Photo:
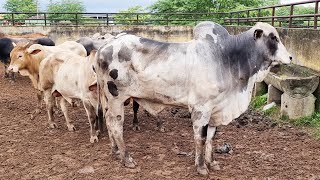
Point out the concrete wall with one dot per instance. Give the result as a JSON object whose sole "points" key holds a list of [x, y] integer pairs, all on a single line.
{"points": [[304, 44]]}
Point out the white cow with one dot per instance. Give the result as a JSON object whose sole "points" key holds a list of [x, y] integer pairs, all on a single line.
{"points": [[212, 75], [70, 76]]}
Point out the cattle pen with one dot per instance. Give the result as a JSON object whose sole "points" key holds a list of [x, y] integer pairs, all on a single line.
{"points": [[252, 146]]}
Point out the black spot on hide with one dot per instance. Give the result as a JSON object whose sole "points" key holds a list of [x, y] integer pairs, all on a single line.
{"points": [[204, 131], [107, 57], [272, 44], [113, 88], [114, 73], [124, 53]]}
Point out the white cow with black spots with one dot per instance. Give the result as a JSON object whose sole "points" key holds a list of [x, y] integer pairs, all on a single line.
{"points": [[212, 75]]}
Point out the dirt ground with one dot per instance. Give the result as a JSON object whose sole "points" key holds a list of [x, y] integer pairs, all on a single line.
{"points": [[30, 150]]}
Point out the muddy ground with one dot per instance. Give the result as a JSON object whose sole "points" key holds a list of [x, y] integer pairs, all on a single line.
{"points": [[30, 150]]}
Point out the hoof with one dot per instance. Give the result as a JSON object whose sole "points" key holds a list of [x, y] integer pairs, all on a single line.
{"points": [[203, 170], [214, 165], [136, 128], [161, 129], [130, 163], [53, 125], [37, 111], [71, 127], [94, 139]]}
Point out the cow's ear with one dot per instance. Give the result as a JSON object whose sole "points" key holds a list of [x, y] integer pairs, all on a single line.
{"points": [[93, 87], [35, 51], [257, 34]]}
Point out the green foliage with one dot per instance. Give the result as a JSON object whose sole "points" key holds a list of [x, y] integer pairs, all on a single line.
{"points": [[65, 6], [285, 11], [272, 111], [259, 101], [313, 121], [132, 18], [20, 6], [310, 121], [205, 6]]}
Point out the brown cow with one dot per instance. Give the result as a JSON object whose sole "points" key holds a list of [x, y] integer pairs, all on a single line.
{"points": [[26, 59]]}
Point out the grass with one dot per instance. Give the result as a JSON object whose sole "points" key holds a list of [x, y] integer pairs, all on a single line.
{"points": [[259, 101], [312, 122]]}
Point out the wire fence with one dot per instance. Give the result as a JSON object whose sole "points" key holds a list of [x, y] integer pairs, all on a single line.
{"points": [[280, 16]]}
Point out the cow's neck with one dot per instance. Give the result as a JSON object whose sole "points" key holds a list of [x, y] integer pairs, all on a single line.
{"points": [[33, 70], [246, 60]]}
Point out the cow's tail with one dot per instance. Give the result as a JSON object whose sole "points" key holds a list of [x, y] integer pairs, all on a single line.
{"points": [[100, 119]]}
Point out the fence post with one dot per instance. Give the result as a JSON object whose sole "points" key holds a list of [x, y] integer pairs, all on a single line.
{"points": [[168, 20], [137, 19], [259, 14], [291, 13], [248, 14], [76, 19], [107, 16], [12, 18], [238, 18], [316, 10], [273, 13], [45, 19]]}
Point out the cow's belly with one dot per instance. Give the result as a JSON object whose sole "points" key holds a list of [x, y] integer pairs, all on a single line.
{"points": [[67, 84]]}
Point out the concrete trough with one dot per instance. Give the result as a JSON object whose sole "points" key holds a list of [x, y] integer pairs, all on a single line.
{"points": [[292, 86]]}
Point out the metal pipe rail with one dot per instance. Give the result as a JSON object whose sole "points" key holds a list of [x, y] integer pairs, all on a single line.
{"points": [[242, 17]]}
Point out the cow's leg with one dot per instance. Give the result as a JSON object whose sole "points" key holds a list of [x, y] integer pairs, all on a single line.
{"points": [[200, 121], [64, 108], [6, 72], [92, 121], [115, 120], [49, 100], [114, 147], [211, 131], [135, 108], [39, 105]]}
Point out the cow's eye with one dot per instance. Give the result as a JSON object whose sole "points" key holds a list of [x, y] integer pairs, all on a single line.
{"points": [[20, 56], [275, 38]]}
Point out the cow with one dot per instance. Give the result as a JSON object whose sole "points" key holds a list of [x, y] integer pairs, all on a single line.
{"points": [[26, 58], [56, 80], [91, 44], [7, 44], [212, 75]]}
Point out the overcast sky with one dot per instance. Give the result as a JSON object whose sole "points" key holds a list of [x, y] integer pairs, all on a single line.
{"points": [[110, 5]]}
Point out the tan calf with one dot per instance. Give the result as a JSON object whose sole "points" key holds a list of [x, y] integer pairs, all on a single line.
{"points": [[70, 76]]}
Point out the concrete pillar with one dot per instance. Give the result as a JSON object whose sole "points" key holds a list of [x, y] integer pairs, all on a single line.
{"points": [[274, 95], [260, 88], [296, 108]]}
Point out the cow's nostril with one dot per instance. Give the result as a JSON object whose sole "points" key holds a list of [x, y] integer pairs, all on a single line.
{"points": [[290, 57]]}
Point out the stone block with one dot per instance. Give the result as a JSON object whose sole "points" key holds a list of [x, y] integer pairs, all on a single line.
{"points": [[296, 108], [274, 95]]}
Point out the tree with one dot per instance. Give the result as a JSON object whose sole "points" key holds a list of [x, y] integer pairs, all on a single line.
{"points": [[205, 6], [65, 6], [131, 17], [28, 6]]}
